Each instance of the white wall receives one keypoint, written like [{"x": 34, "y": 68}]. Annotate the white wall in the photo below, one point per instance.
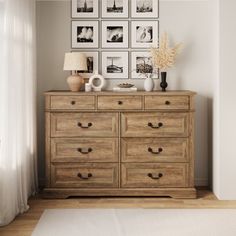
[
  {"x": 191, "y": 22},
  {"x": 225, "y": 137}
]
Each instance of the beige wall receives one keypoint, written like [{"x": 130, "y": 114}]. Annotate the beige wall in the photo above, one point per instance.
[{"x": 191, "y": 22}]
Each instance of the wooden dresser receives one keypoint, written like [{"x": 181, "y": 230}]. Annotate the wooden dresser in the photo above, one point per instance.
[{"x": 120, "y": 144}]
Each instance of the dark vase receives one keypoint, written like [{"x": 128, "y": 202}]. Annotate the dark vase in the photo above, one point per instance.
[{"x": 163, "y": 83}]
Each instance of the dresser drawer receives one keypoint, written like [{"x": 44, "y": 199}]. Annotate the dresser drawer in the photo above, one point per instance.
[
  {"x": 84, "y": 150},
  {"x": 154, "y": 124},
  {"x": 84, "y": 175},
  {"x": 154, "y": 149},
  {"x": 119, "y": 102},
  {"x": 154, "y": 175},
  {"x": 84, "y": 124},
  {"x": 166, "y": 102},
  {"x": 72, "y": 102}
]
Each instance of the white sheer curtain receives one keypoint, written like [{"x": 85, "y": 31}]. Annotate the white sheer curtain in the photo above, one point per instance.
[{"x": 17, "y": 107}]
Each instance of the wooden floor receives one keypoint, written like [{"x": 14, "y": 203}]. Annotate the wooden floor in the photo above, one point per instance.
[{"x": 24, "y": 224}]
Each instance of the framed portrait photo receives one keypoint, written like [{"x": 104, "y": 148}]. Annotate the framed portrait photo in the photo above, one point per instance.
[
  {"x": 115, "y": 65},
  {"x": 141, "y": 64},
  {"x": 92, "y": 64},
  {"x": 144, "y": 34},
  {"x": 84, "y": 8},
  {"x": 115, "y": 8},
  {"x": 84, "y": 34},
  {"x": 145, "y": 8},
  {"x": 115, "y": 34}
]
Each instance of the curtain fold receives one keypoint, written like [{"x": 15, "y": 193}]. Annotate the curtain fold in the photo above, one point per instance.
[{"x": 18, "y": 163}]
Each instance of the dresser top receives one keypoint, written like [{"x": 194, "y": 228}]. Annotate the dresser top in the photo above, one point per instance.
[{"x": 159, "y": 93}]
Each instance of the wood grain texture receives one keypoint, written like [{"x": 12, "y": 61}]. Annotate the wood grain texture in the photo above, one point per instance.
[
  {"x": 162, "y": 175},
  {"x": 116, "y": 141},
  {"x": 67, "y": 124},
  {"x": 136, "y": 124},
  {"x": 84, "y": 150},
  {"x": 155, "y": 150},
  {"x": 167, "y": 102},
  {"x": 120, "y": 102},
  {"x": 73, "y": 102},
  {"x": 68, "y": 175}
]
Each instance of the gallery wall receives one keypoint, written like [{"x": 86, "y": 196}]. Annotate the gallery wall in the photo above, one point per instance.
[{"x": 187, "y": 21}]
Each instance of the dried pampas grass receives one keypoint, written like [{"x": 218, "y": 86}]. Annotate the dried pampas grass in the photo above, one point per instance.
[{"x": 164, "y": 57}]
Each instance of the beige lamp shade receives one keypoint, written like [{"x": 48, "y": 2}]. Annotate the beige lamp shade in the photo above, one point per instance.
[{"x": 75, "y": 61}]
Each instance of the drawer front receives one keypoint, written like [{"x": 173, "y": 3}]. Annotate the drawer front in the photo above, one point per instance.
[
  {"x": 73, "y": 102},
  {"x": 84, "y": 124},
  {"x": 154, "y": 124},
  {"x": 84, "y": 175},
  {"x": 119, "y": 102},
  {"x": 154, "y": 150},
  {"x": 84, "y": 150},
  {"x": 154, "y": 175},
  {"x": 166, "y": 102}
]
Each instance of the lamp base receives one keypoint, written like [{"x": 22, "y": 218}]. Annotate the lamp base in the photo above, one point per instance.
[{"x": 75, "y": 82}]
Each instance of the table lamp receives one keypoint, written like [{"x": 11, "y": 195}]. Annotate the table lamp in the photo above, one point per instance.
[{"x": 75, "y": 62}]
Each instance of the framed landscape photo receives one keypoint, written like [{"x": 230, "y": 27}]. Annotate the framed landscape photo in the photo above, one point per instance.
[
  {"x": 92, "y": 64},
  {"x": 141, "y": 65},
  {"x": 84, "y": 8},
  {"x": 115, "y": 34},
  {"x": 115, "y": 8},
  {"x": 144, "y": 34},
  {"x": 144, "y": 8},
  {"x": 115, "y": 65},
  {"x": 84, "y": 34}
]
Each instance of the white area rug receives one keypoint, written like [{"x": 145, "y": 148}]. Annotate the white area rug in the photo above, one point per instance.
[{"x": 137, "y": 222}]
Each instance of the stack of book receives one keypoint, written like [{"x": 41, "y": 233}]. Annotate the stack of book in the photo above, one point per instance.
[{"x": 118, "y": 89}]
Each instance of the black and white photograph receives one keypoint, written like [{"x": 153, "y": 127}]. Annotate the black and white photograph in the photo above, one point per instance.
[
  {"x": 144, "y": 8},
  {"x": 92, "y": 64},
  {"x": 142, "y": 65},
  {"x": 84, "y": 34},
  {"x": 144, "y": 34},
  {"x": 115, "y": 8},
  {"x": 84, "y": 8},
  {"x": 115, "y": 65},
  {"x": 84, "y": 5},
  {"x": 115, "y": 34}
]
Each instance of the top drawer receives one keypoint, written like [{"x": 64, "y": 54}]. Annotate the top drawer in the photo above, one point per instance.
[
  {"x": 72, "y": 102},
  {"x": 166, "y": 102},
  {"x": 119, "y": 102}
]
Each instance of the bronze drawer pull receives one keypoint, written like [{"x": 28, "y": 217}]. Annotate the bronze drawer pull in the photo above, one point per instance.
[
  {"x": 153, "y": 152},
  {"x": 167, "y": 102},
  {"x": 120, "y": 102},
  {"x": 73, "y": 102},
  {"x": 85, "y": 178},
  {"x": 155, "y": 127},
  {"x": 84, "y": 152},
  {"x": 85, "y": 127},
  {"x": 150, "y": 175}
]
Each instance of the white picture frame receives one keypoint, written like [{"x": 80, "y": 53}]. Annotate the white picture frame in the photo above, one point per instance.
[
  {"x": 144, "y": 34},
  {"x": 141, "y": 57},
  {"x": 115, "y": 8},
  {"x": 92, "y": 63},
  {"x": 85, "y": 8},
  {"x": 144, "y": 8},
  {"x": 115, "y": 65},
  {"x": 84, "y": 34},
  {"x": 115, "y": 34}
]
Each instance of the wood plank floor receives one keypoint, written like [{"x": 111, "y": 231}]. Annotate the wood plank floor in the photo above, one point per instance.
[{"x": 24, "y": 224}]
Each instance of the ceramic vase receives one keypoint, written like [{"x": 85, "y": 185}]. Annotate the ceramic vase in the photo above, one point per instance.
[
  {"x": 163, "y": 83},
  {"x": 149, "y": 84}
]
